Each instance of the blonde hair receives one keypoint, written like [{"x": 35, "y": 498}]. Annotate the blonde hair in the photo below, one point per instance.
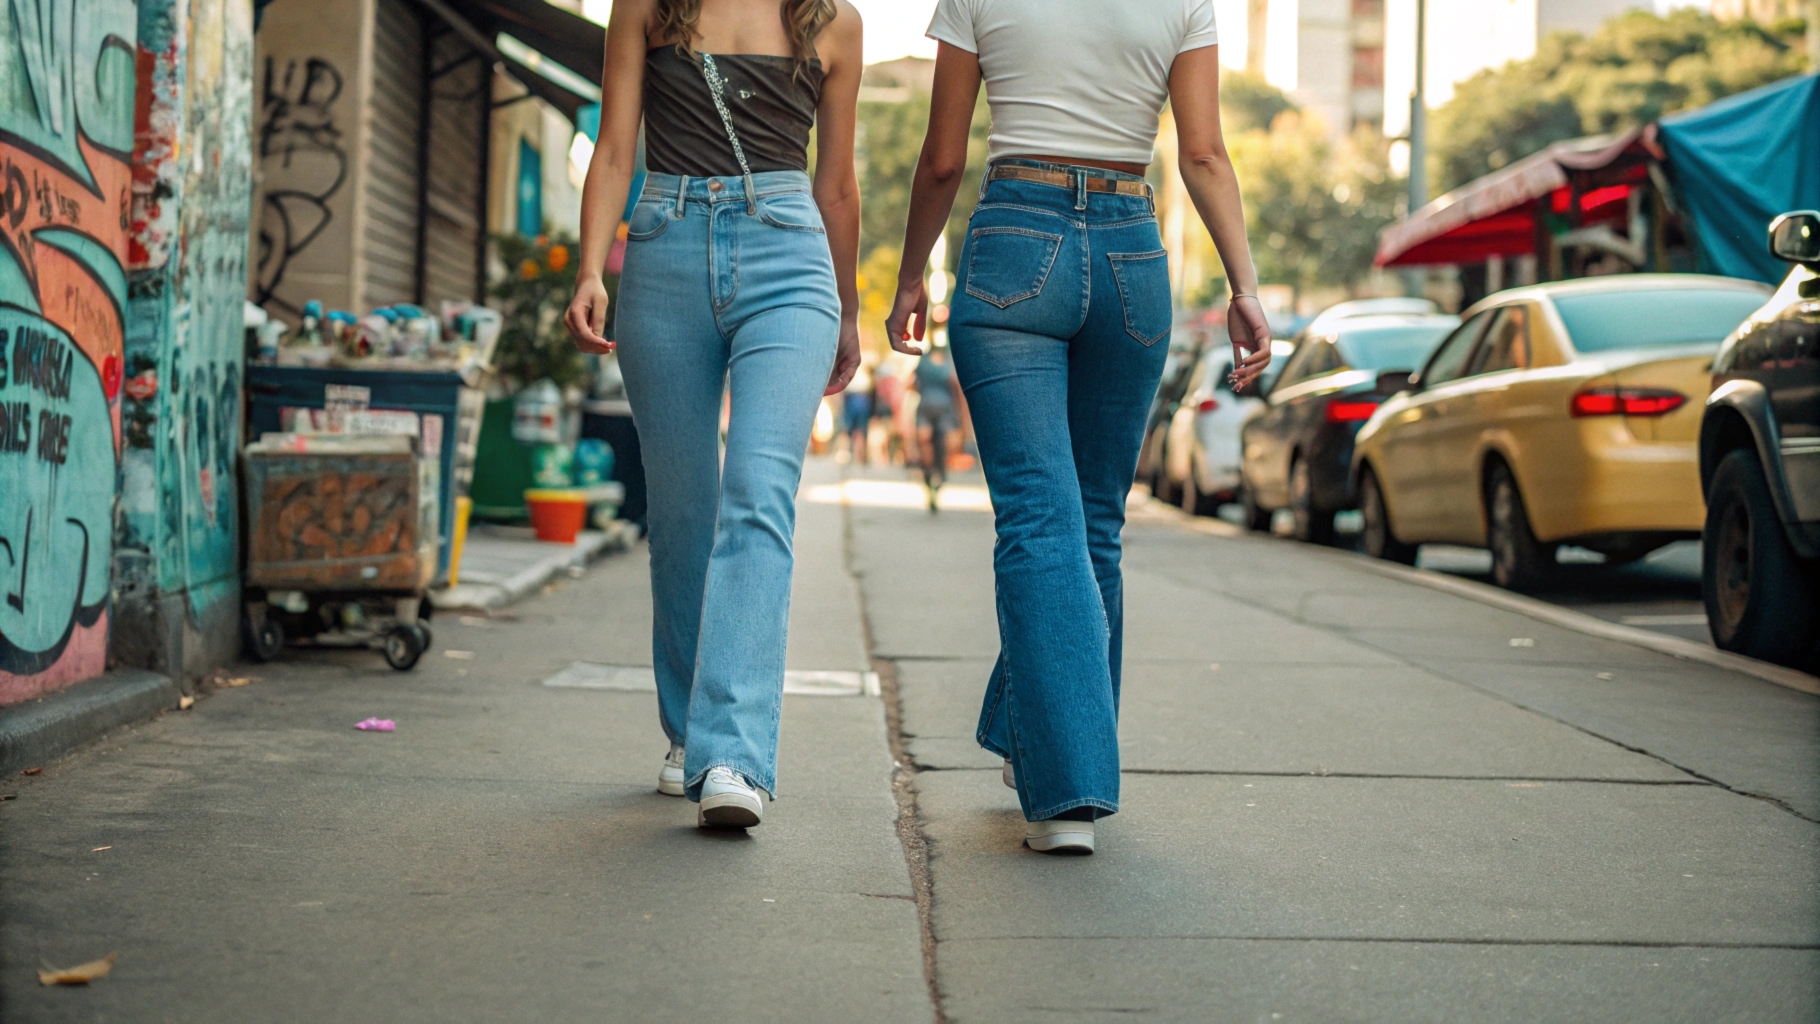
[{"x": 803, "y": 19}]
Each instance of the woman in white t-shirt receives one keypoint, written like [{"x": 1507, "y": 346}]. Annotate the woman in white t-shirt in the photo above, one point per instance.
[{"x": 1059, "y": 328}]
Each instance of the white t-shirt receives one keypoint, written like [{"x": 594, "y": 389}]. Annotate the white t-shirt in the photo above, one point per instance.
[{"x": 1078, "y": 78}]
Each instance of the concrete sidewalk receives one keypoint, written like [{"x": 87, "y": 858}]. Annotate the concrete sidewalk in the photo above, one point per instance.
[
  {"x": 503, "y": 856},
  {"x": 1346, "y": 797},
  {"x": 1351, "y": 798}
]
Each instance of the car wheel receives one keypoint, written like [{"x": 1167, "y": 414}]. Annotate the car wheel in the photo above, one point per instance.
[
  {"x": 1312, "y": 526},
  {"x": 1380, "y": 537},
  {"x": 1760, "y": 599},
  {"x": 1518, "y": 560}
]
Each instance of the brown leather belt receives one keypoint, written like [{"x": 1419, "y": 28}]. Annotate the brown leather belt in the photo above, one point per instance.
[{"x": 1062, "y": 179}]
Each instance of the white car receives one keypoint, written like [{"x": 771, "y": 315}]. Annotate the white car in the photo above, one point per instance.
[{"x": 1199, "y": 467}]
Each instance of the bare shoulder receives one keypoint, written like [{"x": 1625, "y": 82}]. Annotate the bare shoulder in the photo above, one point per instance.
[
  {"x": 843, "y": 38},
  {"x": 641, "y": 14}
]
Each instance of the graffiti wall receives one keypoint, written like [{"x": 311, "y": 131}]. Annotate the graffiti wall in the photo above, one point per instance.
[
  {"x": 307, "y": 132},
  {"x": 176, "y": 576},
  {"x": 66, "y": 136}
]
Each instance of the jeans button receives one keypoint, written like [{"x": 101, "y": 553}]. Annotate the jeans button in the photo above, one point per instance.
[{"x": 715, "y": 186}]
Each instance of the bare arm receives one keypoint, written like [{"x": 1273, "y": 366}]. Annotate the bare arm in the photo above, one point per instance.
[
  {"x": 937, "y": 181},
  {"x": 610, "y": 171},
  {"x": 1194, "y": 94},
  {"x": 836, "y": 185}
]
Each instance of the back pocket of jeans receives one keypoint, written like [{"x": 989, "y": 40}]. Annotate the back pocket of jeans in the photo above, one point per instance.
[
  {"x": 1008, "y": 265},
  {"x": 1143, "y": 280}
]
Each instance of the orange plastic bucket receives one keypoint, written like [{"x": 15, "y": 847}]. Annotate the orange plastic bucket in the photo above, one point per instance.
[{"x": 557, "y": 516}]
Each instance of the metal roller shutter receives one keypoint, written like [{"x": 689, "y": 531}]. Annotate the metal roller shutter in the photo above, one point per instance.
[
  {"x": 453, "y": 228},
  {"x": 392, "y": 163}
]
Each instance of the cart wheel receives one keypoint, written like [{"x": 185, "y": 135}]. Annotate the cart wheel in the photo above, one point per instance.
[
  {"x": 403, "y": 646},
  {"x": 263, "y": 641},
  {"x": 423, "y": 631}
]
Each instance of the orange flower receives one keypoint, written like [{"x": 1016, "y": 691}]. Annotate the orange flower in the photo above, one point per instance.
[
  {"x": 559, "y": 257},
  {"x": 528, "y": 269}
]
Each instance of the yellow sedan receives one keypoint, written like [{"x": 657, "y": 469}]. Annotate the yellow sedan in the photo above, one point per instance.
[{"x": 1564, "y": 413}]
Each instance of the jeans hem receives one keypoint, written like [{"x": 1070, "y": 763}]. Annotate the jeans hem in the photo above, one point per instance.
[
  {"x": 692, "y": 788},
  {"x": 1049, "y": 812},
  {"x": 985, "y": 743}
]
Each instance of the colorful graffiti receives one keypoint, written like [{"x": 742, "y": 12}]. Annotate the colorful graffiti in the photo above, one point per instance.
[
  {"x": 66, "y": 134},
  {"x": 176, "y": 573}
]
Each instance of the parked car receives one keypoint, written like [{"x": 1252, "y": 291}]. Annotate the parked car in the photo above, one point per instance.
[
  {"x": 1198, "y": 466},
  {"x": 1563, "y": 413},
  {"x": 1760, "y": 467},
  {"x": 1297, "y": 448},
  {"x": 1395, "y": 304},
  {"x": 1178, "y": 376}
]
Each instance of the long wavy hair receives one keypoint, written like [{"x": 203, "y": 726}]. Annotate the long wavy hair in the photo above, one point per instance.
[{"x": 677, "y": 20}]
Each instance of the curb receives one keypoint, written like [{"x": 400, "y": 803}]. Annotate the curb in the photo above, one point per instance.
[
  {"x": 1555, "y": 615},
  {"x": 38, "y": 731},
  {"x": 492, "y": 595}
]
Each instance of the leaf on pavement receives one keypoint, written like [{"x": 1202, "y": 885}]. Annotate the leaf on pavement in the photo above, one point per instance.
[
  {"x": 237, "y": 681},
  {"x": 185, "y": 703},
  {"x": 30, "y": 771},
  {"x": 81, "y": 974}
]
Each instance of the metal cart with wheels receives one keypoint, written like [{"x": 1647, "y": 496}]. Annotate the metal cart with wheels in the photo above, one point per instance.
[{"x": 341, "y": 544}]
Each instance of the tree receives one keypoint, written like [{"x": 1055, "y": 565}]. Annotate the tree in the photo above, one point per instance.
[
  {"x": 1313, "y": 207},
  {"x": 1634, "y": 69},
  {"x": 532, "y": 293}
]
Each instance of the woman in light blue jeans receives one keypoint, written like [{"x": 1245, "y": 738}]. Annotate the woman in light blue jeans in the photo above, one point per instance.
[
  {"x": 1059, "y": 327},
  {"x": 739, "y": 280}
]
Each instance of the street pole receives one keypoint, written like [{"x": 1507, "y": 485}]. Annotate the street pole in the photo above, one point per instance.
[
  {"x": 1418, "y": 115},
  {"x": 1415, "y": 280}
]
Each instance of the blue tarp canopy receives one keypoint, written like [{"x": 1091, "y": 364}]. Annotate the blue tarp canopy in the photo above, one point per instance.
[{"x": 1742, "y": 161}]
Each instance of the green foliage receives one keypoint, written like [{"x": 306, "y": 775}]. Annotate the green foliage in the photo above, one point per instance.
[
  {"x": 1634, "y": 69},
  {"x": 538, "y": 282},
  {"x": 1249, "y": 103},
  {"x": 889, "y": 144},
  {"x": 1313, "y": 207}
]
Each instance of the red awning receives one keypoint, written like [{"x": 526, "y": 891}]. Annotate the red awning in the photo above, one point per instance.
[{"x": 1496, "y": 215}]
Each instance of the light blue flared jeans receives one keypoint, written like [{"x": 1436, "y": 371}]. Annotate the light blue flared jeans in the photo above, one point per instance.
[{"x": 724, "y": 294}]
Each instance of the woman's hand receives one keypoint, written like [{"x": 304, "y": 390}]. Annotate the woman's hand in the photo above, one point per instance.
[
  {"x": 909, "y": 316},
  {"x": 586, "y": 317},
  {"x": 846, "y": 357},
  {"x": 1250, "y": 331}
]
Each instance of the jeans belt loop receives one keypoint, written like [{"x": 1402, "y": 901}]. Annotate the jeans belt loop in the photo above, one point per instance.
[
  {"x": 751, "y": 196},
  {"x": 682, "y": 196},
  {"x": 1080, "y": 190}
]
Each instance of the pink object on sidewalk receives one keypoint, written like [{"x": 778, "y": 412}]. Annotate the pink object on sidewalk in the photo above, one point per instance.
[{"x": 376, "y": 725}]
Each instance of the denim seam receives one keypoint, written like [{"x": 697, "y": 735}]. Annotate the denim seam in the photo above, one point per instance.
[
  {"x": 1076, "y": 222},
  {"x": 1042, "y": 279},
  {"x": 1117, "y": 261},
  {"x": 1049, "y": 813},
  {"x": 721, "y": 305}
]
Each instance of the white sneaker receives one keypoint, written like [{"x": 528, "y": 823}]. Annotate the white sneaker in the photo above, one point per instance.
[
  {"x": 1057, "y": 836},
  {"x": 1009, "y": 774},
  {"x": 670, "y": 778},
  {"x": 728, "y": 801}
]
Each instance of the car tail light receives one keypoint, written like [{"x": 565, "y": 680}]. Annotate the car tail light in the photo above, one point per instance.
[
  {"x": 1626, "y": 402},
  {"x": 1349, "y": 410},
  {"x": 1207, "y": 405}
]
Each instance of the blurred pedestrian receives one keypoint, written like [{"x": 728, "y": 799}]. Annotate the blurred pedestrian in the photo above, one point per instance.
[
  {"x": 856, "y": 414},
  {"x": 739, "y": 278},
  {"x": 937, "y": 418},
  {"x": 1058, "y": 325}
]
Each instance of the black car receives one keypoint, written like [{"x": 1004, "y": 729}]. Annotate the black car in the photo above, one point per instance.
[
  {"x": 1297, "y": 450},
  {"x": 1760, "y": 465}
]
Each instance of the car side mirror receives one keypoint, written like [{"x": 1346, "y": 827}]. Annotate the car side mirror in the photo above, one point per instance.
[
  {"x": 1796, "y": 237},
  {"x": 1391, "y": 382}
]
